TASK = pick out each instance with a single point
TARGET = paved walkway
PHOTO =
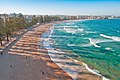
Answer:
(27, 61)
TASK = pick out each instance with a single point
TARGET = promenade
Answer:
(26, 59)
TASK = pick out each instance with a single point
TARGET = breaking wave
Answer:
(95, 72)
(111, 37)
(93, 43)
(80, 29)
(68, 30)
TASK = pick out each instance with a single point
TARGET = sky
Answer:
(61, 7)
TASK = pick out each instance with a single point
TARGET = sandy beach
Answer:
(78, 70)
(29, 60)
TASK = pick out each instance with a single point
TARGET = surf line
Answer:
(90, 70)
(86, 66)
(51, 50)
(92, 43)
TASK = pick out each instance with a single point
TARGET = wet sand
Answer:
(28, 60)
(76, 69)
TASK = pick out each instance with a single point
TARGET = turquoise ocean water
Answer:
(96, 42)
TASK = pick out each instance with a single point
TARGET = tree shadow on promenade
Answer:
(29, 47)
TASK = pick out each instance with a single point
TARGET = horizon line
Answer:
(64, 14)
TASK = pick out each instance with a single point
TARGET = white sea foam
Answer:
(104, 78)
(82, 34)
(55, 36)
(57, 57)
(70, 26)
(86, 66)
(72, 70)
(67, 26)
(95, 72)
(95, 41)
(108, 48)
(111, 37)
(70, 30)
(59, 29)
(92, 43)
(70, 23)
(85, 45)
(71, 45)
(80, 45)
(101, 40)
(80, 29)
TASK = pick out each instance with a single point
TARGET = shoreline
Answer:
(75, 72)
(29, 51)
(91, 70)
(27, 60)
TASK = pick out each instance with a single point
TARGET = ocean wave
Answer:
(80, 29)
(70, 26)
(70, 23)
(82, 34)
(56, 36)
(71, 45)
(67, 26)
(81, 45)
(111, 37)
(70, 30)
(57, 57)
(59, 29)
(86, 45)
(93, 43)
(89, 32)
(101, 40)
(109, 49)
(73, 31)
(65, 64)
(95, 72)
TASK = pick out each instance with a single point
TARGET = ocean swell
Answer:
(95, 72)
(65, 64)
(111, 37)
(57, 57)
(92, 43)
